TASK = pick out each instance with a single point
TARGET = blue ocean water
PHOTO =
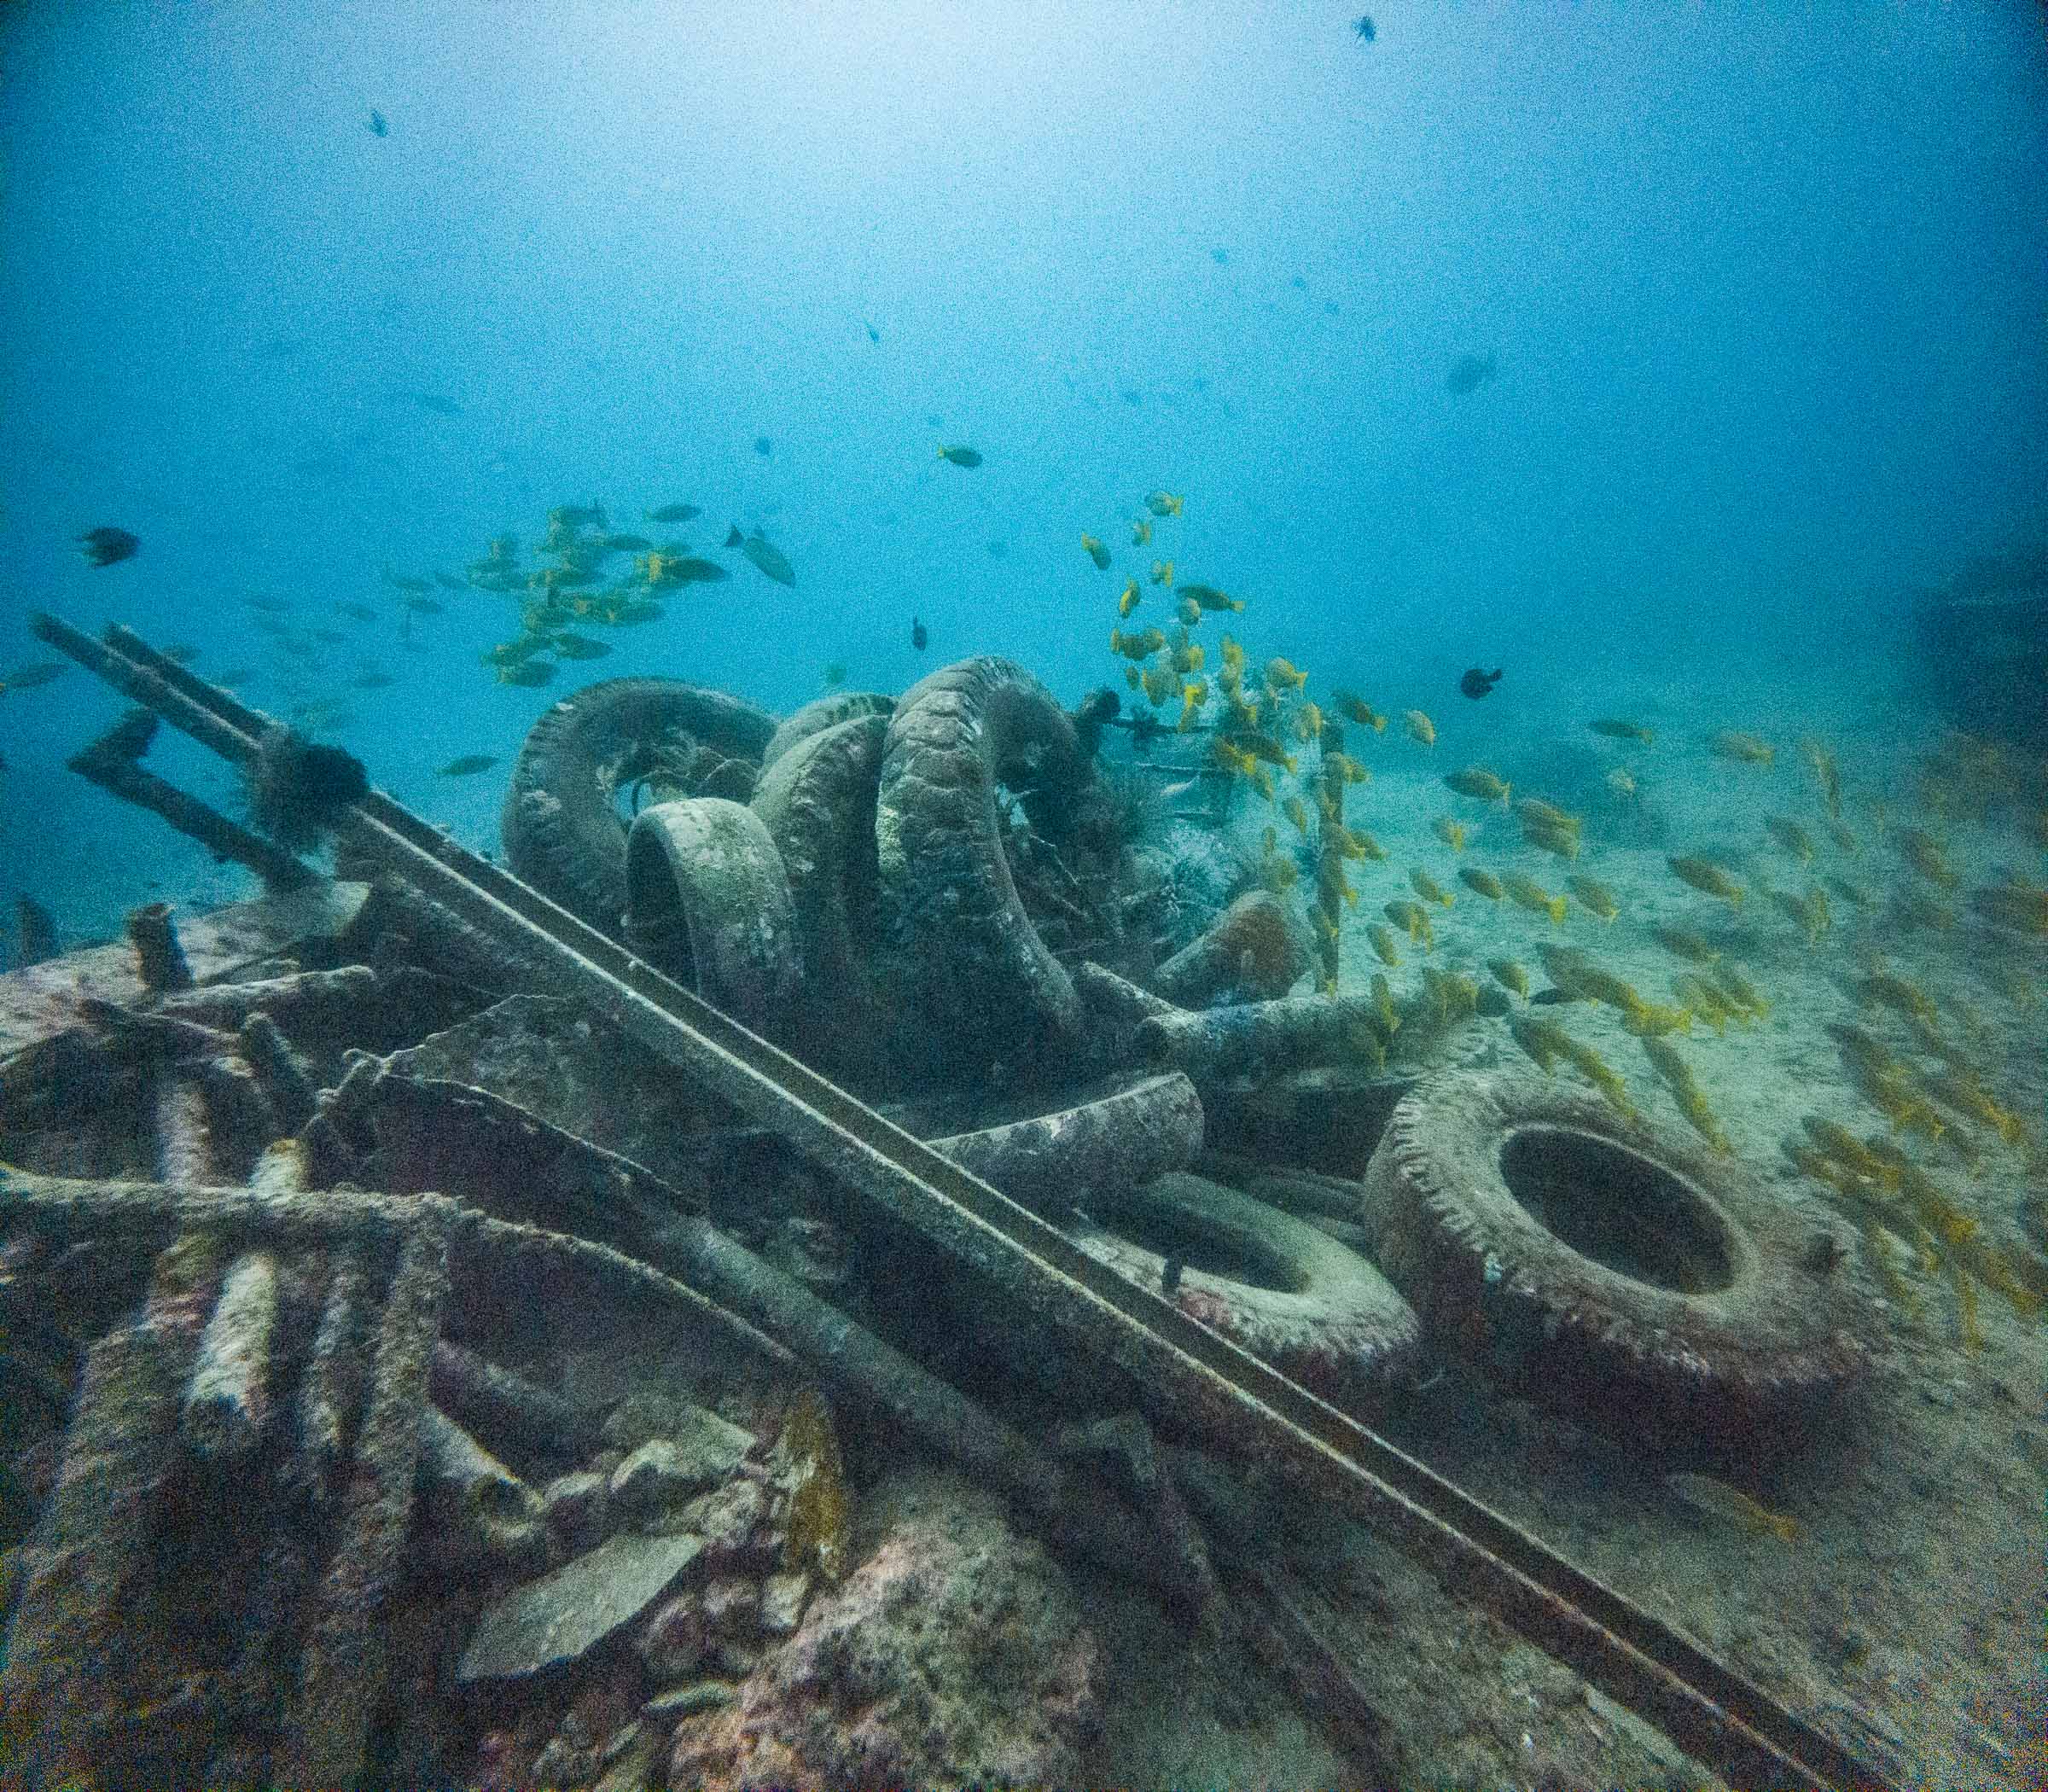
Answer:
(1666, 360)
(1759, 294)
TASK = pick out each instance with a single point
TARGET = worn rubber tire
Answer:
(957, 941)
(1292, 1296)
(561, 833)
(821, 713)
(707, 902)
(1712, 1308)
(816, 801)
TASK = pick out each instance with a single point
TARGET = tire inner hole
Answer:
(1625, 1213)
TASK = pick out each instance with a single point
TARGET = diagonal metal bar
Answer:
(1195, 1382)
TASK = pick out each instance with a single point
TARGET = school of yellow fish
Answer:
(1930, 1077)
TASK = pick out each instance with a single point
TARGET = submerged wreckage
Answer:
(455, 1331)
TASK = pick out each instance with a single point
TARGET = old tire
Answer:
(821, 713)
(959, 943)
(1315, 1310)
(1608, 1265)
(562, 833)
(816, 801)
(707, 902)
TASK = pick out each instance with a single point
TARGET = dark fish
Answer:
(26, 677)
(360, 612)
(426, 606)
(675, 512)
(406, 581)
(1471, 372)
(961, 456)
(691, 569)
(434, 402)
(1364, 26)
(1546, 997)
(835, 674)
(35, 932)
(235, 675)
(468, 764)
(1219, 256)
(874, 334)
(449, 582)
(580, 647)
(918, 636)
(372, 681)
(1478, 683)
(378, 126)
(269, 606)
(624, 544)
(1298, 283)
(763, 447)
(104, 546)
(182, 652)
(757, 548)
(333, 637)
(997, 550)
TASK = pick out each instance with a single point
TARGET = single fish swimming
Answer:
(104, 546)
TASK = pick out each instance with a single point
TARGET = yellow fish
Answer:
(1164, 504)
(1097, 552)
(1509, 976)
(1357, 709)
(1383, 947)
(1743, 748)
(1526, 892)
(1617, 729)
(1188, 611)
(1452, 834)
(1621, 782)
(1129, 601)
(1136, 647)
(1141, 531)
(1791, 837)
(1703, 1493)
(1485, 882)
(1280, 675)
(1594, 895)
(1475, 781)
(1707, 877)
(1294, 810)
(1428, 888)
(1420, 726)
(1163, 573)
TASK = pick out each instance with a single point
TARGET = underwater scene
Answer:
(933, 895)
